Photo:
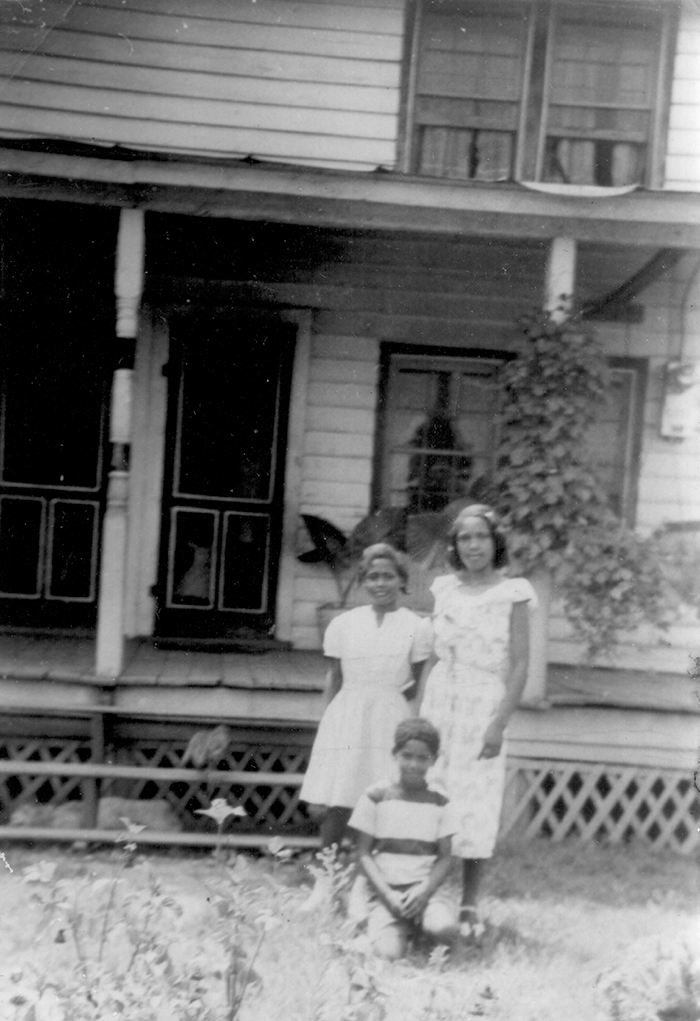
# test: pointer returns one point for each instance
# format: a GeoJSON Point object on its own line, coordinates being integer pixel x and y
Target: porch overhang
{"type": "Point", "coordinates": [247, 190]}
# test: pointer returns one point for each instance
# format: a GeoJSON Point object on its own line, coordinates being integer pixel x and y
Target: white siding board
{"type": "Point", "coordinates": [201, 113]}
{"type": "Point", "coordinates": [337, 16]}
{"type": "Point", "coordinates": [340, 420]}
{"type": "Point", "coordinates": [343, 371]}
{"type": "Point", "coordinates": [194, 139]}
{"type": "Point", "coordinates": [338, 469]}
{"type": "Point", "coordinates": [341, 395]}
{"type": "Point", "coordinates": [195, 31]}
{"type": "Point", "coordinates": [340, 444]}
{"type": "Point", "coordinates": [355, 348]}
{"type": "Point", "coordinates": [289, 67]}
{"type": "Point", "coordinates": [684, 142]}
{"type": "Point", "coordinates": [231, 88]}
{"type": "Point", "coordinates": [336, 494]}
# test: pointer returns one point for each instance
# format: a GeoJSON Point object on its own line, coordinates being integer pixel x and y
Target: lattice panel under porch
{"type": "Point", "coordinates": [268, 807]}
{"type": "Point", "coordinates": [606, 803]}
{"type": "Point", "coordinates": [52, 790]}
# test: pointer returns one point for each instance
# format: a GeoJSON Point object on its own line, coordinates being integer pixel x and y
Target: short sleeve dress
{"type": "Point", "coordinates": [462, 695]}
{"type": "Point", "coordinates": [353, 745]}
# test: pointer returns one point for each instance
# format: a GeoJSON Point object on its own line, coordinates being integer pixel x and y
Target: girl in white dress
{"type": "Point", "coordinates": [376, 654]}
{"type": "Point", "coordinates": [481, 628]}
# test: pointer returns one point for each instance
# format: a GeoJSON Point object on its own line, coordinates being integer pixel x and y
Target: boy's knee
{"type": "Point", "coordinates": [390, 945]}
{"type": "Point", "coordinates": [440, 923]}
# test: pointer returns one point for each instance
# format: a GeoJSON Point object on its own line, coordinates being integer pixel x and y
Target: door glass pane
{"type": "Point", "coordinates": [193, 554]}
{"type": "Point", "coordinates": [228, 415]}
{"type": "Point", "coordinates": [72, 550]}
{"type": "Point", "coordinates": [52, 410]}
{"type": "Point", "coordinates": [245, 561]}
{"type": "Point", "coordinates": [21, 527]}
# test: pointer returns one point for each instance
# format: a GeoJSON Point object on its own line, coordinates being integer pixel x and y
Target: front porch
{"type": "Point", "coordinates": [608, 756]}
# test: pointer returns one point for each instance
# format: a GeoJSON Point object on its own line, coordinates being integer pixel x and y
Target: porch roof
{"type": "Point", "coordinates": [383, 200]}
{"type": "Point", "coordinates": [72, 661]}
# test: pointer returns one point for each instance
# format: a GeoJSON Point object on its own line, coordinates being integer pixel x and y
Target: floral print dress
{"type": "Point", "coordinates": [462, 695]}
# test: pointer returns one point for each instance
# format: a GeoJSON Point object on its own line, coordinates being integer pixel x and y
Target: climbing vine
{"type": "Point", "coordinates": [559, 517]}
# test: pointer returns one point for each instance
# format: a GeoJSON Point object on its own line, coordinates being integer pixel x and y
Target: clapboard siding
{"type": "Point", "coordinates": [232, 79]}
{"type": "Point", "coordinates": [227, 88]}
{"type": "Point", "coordinates": [682, 170]}
{"type": "Point", "coordinates": [337, 459]}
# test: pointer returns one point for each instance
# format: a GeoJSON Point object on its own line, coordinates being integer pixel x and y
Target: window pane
{"type": "Point", "coordinates": [440, 430]}
{"type": "Point", "coordinates": [601, 97]}
{"type": "Point", "coordinates": [468, 90]}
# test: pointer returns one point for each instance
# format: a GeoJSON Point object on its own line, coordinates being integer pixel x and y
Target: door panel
{"type": "Point", "coordinates": [222, 510]}
{"type": "Point", "coordinates": [52, 401]}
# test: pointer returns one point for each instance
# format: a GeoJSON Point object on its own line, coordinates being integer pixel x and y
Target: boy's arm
{"type": "Point", "coordinates": [415, 900]}
{"type": "Point", "coordinates": [334, 681]}
{"type": "Point", "coordinates": [390, 897]}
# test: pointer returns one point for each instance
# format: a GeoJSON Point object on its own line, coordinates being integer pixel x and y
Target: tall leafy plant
{"type": "Point", "coordinates": [559, 517]}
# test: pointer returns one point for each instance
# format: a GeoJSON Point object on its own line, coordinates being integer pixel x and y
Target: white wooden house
{"type": "Point", "coordinates": [250, 249]}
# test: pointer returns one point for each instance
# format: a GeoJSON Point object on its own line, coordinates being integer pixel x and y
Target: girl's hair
{"type": "Point", "coordinates": [417, 729]}
{"type": "Point", "coordinates": [383, 551]}
{"type": "Point", "coordinates": [477, 510]}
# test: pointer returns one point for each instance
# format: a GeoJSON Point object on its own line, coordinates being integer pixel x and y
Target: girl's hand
{"type": "Point", "coordinates": [493, 740]}
{"type": "Point", "coordinates": [415, 901]}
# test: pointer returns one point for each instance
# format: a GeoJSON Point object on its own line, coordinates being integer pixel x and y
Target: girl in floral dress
{"type": "Point", "coordinates": [481, 633]}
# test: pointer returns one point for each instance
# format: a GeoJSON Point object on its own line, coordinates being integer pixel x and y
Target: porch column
{"type": "Point", "coordinates": [560, 279]}
{"type": "Point", "coordinates": [128, 287]}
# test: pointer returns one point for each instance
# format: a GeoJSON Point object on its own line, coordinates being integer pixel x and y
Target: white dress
{"type": "Point", "coordinates": [353, 745]}
{"type": "Point", "coordinates": [462, 695]}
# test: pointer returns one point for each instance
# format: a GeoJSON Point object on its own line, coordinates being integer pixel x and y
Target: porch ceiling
{"type": "Point", "coordinates": [388, 201]}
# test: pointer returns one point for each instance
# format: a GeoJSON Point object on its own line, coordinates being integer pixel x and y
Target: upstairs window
{"type": "Point", "coordinates": [550, 91]}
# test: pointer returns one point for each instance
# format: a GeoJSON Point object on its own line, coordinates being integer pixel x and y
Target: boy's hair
{"type": "Point", "coordinates": [417, 729]}
{"type": "Point", "coordinates": [383, 551]}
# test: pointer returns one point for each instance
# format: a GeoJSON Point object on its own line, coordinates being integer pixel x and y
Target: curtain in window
{"type": "Point", "coordinates": [466, 155]}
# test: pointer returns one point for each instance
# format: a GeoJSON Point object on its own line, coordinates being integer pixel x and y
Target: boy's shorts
{"type": "Point", "coordinates": [440, 912]}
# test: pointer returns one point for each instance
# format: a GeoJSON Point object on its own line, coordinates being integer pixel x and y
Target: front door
{"type": "Point", "coordinates": [228, 378]}
{"type": "Point", "coordinates": [56, 359]}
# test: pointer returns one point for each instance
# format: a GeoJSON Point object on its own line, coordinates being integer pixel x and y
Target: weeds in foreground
{"type": "Point", "coordinates": [130, 957]}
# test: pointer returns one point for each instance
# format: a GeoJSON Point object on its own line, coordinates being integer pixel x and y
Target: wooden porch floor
{"type": "Point", "coordinates": [65, 659]}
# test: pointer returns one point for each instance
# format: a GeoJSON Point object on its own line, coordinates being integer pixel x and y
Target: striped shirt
{"type": "Point", "coordinates": [406, 828]}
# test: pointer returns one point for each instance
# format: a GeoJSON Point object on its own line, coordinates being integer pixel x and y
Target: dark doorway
{"type": "Point", "coordinates": [229, 378]}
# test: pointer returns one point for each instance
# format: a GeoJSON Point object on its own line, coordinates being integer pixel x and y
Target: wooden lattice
{"type": "Point", "coordinates": [268, 807]}
{"type": "Point", "coordinates": [54, 790]}
{"type": "Point", "coordinates": [605, 803]}
{"type": "Point", "coordinates": [578, 801]}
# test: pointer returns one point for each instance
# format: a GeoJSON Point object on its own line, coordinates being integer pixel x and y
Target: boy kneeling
{"type": "Point", "coordinates": [404, 840]}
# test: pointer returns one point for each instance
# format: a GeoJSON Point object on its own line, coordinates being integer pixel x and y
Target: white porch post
{"type": "Point", "coordinates": [128, 287]}
{"type": "Point", "coordinates": [559, 286]}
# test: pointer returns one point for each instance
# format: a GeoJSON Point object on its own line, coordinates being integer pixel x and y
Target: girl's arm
{"type": "Point", "coordinates": [334, 681]}
{"type": "Point", "coordinates": [516, 676]}
{"type": "Point", "coordinates": [391, 898]}
{"type": "Point", "coordinates": [415, 899]}
{"type": "Point", "coordinates": [427, 666]}
{"type": "Point", "coordinates": [411, 688]}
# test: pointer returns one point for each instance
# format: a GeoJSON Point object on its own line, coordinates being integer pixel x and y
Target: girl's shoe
{"type": "Point", "coordinates": [471, 927]}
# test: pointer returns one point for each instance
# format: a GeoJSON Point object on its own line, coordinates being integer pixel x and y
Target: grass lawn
{"type": "Point", "coordinates": [557, 918]}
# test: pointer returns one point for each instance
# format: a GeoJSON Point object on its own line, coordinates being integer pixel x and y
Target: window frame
{"type": "Point", "coordinates": [636, 367]}
{"type": "Point", "coordinates": [532, 123]}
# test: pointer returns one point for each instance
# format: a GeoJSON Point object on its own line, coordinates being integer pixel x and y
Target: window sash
{"type": "Point", "coordinates": [524, 90]}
